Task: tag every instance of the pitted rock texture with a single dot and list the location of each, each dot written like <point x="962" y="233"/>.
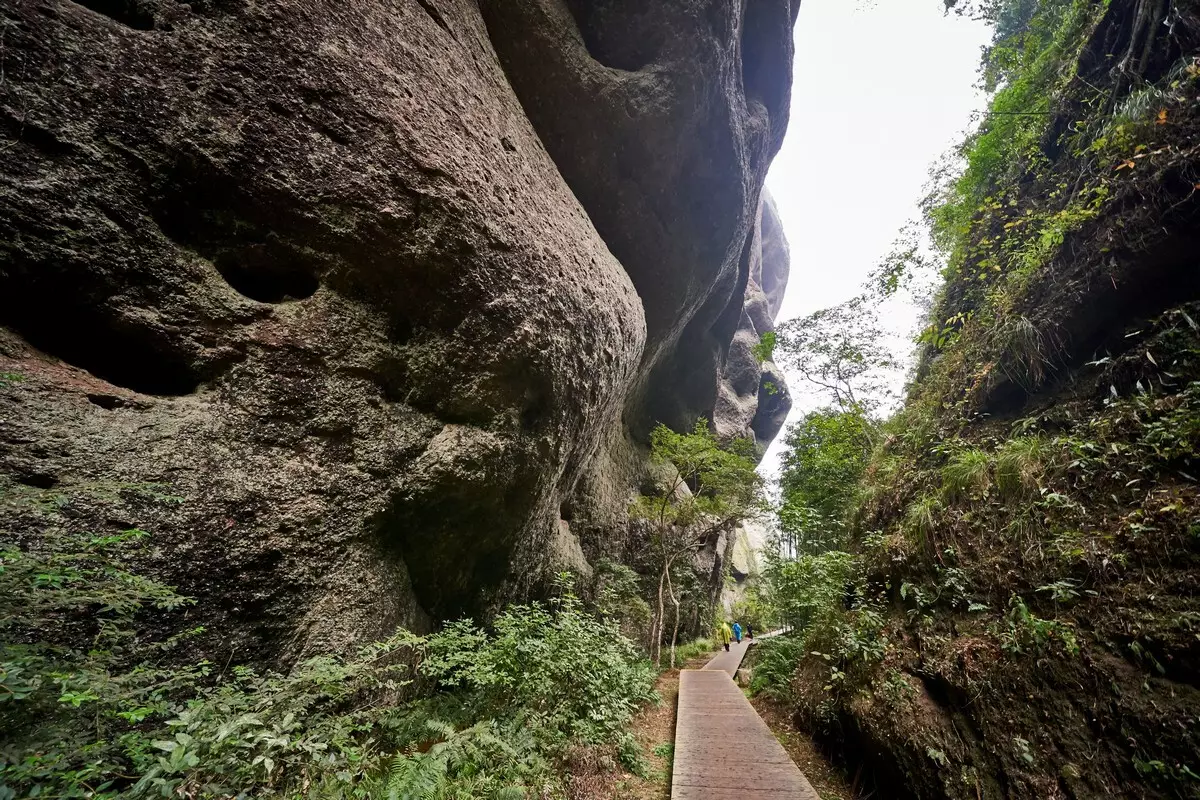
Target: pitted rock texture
<point x="296" y="287"/>
<point x="343" y="302"/>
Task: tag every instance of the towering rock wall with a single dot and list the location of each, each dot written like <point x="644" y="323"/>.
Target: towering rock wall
<point x="348" y="303"/>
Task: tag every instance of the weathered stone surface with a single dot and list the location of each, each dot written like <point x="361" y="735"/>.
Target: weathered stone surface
<point x="307" y="264"/>
<point x="675" y="111"/>
<point x="752" y="397"/>
<point x="299" y="288"/>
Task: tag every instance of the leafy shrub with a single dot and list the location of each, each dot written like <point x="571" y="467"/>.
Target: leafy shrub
<point x="1022" y="631"/>
<point x="809" y="591"/>
<point x="566" y="674"/>
<point x="618" y="596"/>
<point x="775" y="661"/>
<point x="90" y="708"/>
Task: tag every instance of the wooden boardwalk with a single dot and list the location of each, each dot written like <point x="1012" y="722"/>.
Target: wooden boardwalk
<point x="723" y="749"/>
<point x="729" y="662"/>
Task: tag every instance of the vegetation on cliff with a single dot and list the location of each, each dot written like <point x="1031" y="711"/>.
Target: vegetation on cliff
<point x="93" y="703"/>
<point x="105" y="693"/>
<point x="994" y="588"/>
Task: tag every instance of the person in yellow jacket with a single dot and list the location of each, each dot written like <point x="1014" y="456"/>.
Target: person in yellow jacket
<point x="725" y="633"/>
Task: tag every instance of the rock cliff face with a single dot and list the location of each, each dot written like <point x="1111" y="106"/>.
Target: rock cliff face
<point x="350" y="303"/>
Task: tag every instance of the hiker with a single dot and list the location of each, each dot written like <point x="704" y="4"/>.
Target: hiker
<point x="749" y="631"/>
<point x="737" y="632"/>
<point x="725" y="634"/>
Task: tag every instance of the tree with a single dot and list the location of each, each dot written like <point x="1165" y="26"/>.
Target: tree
<point x="827" y="451"/>
<point x="842" y="352"/>
<point x="712" y="488"/>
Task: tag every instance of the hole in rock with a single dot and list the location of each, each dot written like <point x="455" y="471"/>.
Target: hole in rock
<point x="267" y="281"/>
<point x="108" y="402"/>
<point x="247" y="237"/>
<point x="38" y="480"/>
<point x="84" y="337"/>
<point x="400" y="331"/>
<point x="127" y="12"/>
<point x="606" y="27"/>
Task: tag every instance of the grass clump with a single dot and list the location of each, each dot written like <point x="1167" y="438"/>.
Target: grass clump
<point x="686" y="652"/>
<point x="920" y="520"/>
<point x="1020" y="464"/>
<point x="967" y="473"/>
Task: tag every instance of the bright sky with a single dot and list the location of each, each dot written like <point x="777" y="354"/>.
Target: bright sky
<point x="880" y="91"/>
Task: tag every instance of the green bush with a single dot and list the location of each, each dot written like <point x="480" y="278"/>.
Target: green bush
<point x="566" y="674"/>
<point x="775" y="662"/>
<point x="90" y="706"/>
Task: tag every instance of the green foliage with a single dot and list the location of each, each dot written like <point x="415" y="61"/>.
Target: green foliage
<point x="482" y="761"/>
<point x="1021" y="631"/>
<point x="842" y="353"/>
<point x="920" y="520"/>
<point x="775" y="662"/>
<point x="568" y="675"/>
<point x="713" y="487"/>
<point x="967" y="473"/>
<point x="827" y="453"/>
<point x="69" y="680"/>
<point x="711" y="480"/>
<point x="754" y="608"/>
<point x="765" y="349"/>
<point x="694" y="649"/>
<point x="1025" y="69"/>
<point x="1174" y="434"/>
<point x="92" y="706"/>
<point x="618" y="596"/>
<point x="808" y="591"/>
<point x="1019" y="465"/>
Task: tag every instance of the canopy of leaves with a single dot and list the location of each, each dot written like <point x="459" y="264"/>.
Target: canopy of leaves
<point x="711" y="481"/>
<point x="827" y="451"/>
<point x="842" y="352"/>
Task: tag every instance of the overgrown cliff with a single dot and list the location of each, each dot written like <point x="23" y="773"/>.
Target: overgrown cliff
<point x="1016" y="613"/>
<point x="365" y="310"/>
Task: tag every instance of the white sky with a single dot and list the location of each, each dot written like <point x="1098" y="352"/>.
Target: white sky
<point x="880" y="91"/>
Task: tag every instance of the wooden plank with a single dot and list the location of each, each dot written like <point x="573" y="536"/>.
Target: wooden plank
<point x="729" y="662"/>
<point x="723" y="749"/>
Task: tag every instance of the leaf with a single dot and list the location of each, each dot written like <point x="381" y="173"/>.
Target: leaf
<point x="1151" y="358"/>
<point x="1162" y="117"/>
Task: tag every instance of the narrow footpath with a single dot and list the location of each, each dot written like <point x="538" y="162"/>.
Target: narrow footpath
<point x="723" y="749"/>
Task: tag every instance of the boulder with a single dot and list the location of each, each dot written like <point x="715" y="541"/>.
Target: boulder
<point x="676" y="108"/>
<point x="306" y="267"/>
<point x="363" y="309"/>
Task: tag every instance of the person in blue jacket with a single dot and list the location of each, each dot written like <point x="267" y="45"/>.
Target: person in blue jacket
<point x="737" y="632"/>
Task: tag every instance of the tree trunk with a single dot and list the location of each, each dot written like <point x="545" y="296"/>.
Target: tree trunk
<point x="675" y="602"/>
<point x="656" y="628"/>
